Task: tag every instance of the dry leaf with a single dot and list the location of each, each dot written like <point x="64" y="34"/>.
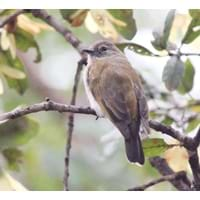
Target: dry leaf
<point x="8" y="42"/>
<point x="177" y="158"/>
<point x="31" y="26"/>
<point x="101" y="21"/>
<point x="12" y="72"/>
<point x="5" y="42"/>
<point x="12" y="45"/>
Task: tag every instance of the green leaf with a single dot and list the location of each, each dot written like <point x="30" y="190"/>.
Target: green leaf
<point x="153" y="114"/>
<point x="6" y="12"/>
<point x="14" y="157"/>
<point x="194" y="13"/>
<point x="18" y="84"/>
<point x="12" y="72"/>
<point x="167" y="120"/>
<point x="188" y="78"/>
<point x="168" y="25"/>
<point x="125" y="15"/>
<point x="17" y="132"/>
<point x="160" y="41"/>
<point x="192" y="125"/>
<point x="192" y="33"/>
<point x="25" y="40"/>
<point x="75" y="17"/>
<point x="154" y="147"/>
<point x="136" y="48"/>
<point x="173" y="73"/>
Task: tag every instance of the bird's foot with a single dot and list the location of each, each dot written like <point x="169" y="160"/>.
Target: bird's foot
<point x="99" y="116"/>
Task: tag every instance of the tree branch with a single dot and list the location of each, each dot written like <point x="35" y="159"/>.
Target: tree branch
<point x="187" y="142"/>
<point x="11" y="17"/>
<point x="76" y="43"/>
<point x="190" y="144"/>
<point x="172" y="177"/>
<point x="71" y="124"/>
<point x="183" y="54"/>
<point x="161" y="165"/>
<point x="194" y="164"/>
<point x="47" y="105"/>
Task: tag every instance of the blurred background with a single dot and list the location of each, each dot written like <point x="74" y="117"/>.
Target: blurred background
<point x="98" y="160"/>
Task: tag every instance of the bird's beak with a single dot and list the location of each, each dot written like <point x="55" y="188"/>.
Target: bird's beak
<point x="88" y="51"/>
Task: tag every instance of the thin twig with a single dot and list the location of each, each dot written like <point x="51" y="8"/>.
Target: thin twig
<point x="76" y="43"/>
<point x="190" y="143"/>
<point x="161" y="165"/>
<point x="71" y="125"/>
<point x="11" y="17"/>
<point x="167" y="130"/>
<point x="172" y="177"/>
<point x="183" y="54"/>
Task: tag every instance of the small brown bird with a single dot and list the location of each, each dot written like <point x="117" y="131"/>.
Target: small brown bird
<point x="114" y="90"/>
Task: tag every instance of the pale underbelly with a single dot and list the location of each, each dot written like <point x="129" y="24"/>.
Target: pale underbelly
<point x="93" y="103"/>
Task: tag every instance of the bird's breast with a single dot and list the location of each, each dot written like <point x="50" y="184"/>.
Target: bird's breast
<point x="93" y="103"/>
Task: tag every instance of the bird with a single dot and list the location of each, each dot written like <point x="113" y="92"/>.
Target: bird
<point x="114" y="91"/>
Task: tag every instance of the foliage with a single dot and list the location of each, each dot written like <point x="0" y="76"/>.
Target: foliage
<point x="39" y="144"/>
<point x="154" y="147"/>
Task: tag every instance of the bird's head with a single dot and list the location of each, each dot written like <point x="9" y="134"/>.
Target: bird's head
<point x="102" y="49"/>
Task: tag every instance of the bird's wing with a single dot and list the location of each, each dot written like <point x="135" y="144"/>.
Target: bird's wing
<point x="143" y="109"/>
<point x="116" y="95"/>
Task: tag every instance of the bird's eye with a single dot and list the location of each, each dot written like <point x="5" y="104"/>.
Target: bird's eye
<point x="103" y="48"/>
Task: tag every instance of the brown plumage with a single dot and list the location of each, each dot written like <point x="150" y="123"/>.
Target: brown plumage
<point x="117" y="89"/>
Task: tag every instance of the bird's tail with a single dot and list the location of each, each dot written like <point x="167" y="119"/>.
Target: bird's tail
<point x="134" y="149"/>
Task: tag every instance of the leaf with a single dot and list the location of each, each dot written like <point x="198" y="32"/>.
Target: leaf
<point x="12" y="46"/>
<point x="153" y="114"/>
<point x="173" y="73"/>
<point x="154" y="147"/>
<point x="193" y="30"/>
<point x="8" y="183"/>
<point x="74" y="16"/>
<point x="6" y="12"/>
<point x="124" y="15"/>
<point x="25" y="40"/>
<point x="194" y="13"/>
<point x="30" y="26"/>
<point x="14" y="158"/>
<point x="18" y="84"/>
<point x="168" y="24"/>
<point x="1" y="87"/>
<point x="100" y="21"/>
<point x="5" y="42"/>
<point x="136" y="48"/>
<point x="17" y="132"/>
<point x="167" y="120"/>
<point x="195" y="108"/>
<point x="177" y="158"/>
<point x="188" y="78"/>
<point x="160" y="41"/>
<point x="192" y="125"/>
<point x="12" y="72"/>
